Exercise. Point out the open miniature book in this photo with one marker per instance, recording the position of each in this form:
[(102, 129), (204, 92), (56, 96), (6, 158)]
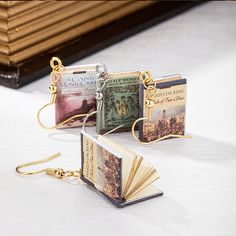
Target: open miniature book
[(121, 175)]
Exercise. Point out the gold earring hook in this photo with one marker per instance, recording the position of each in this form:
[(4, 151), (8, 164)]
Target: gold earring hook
[(93, 113), (145, 78), (35, 163), (58, 173), (55, 63)]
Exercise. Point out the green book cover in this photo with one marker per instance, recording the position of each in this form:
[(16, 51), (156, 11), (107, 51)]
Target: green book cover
[(120, 102)]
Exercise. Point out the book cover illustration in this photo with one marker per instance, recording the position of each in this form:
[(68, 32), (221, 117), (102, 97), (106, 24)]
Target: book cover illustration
[(122, 176), (76, 95), (120, 102), (102, 169), (168, 113)]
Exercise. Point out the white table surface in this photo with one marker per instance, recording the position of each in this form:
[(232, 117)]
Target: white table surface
[(198, 175)]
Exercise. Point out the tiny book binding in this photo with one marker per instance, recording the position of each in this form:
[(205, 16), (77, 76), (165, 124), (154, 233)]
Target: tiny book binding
[(168, 112), (120, 102), (121, 175), (76, 94)]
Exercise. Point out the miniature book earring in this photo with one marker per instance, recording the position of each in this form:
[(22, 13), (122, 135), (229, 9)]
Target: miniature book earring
[(120, 102), (73, 93), (117, 101), (119, 174), (157, 99)]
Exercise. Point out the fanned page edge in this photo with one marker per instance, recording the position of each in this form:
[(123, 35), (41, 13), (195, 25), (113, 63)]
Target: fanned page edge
[(168, 78), (142, 196), (141, 184), (86, 67), (147, 182), (134, 168)]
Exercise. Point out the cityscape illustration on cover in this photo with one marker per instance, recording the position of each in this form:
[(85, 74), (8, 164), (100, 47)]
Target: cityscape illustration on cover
[(76, 95), (168, 113), (102, 169)]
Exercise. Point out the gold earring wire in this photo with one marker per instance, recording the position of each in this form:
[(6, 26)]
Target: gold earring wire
[(35, 163), (156, 140), (58, 173)]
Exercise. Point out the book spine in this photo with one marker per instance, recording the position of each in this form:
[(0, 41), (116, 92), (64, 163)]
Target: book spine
[(82, 163), (99, 119), (141, 110), (82, 153)]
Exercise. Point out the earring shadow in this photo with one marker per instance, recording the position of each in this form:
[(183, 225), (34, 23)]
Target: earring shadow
[(70, 135), (67, 135)]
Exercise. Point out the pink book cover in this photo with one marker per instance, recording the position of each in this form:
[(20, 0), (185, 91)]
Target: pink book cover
[(76, 95)]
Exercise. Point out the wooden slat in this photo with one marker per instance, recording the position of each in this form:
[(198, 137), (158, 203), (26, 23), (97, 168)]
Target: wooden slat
[(36, 12), (79, 31), (13, 10), (3, 13), (4, 59), (20, 8), (58, 29), (7, 4), (3, 40), (11, 23), (3, 26), (37, 66), (51, 19)]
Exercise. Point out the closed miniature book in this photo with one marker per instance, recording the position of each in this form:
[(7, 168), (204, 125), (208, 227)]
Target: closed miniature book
[(168, 112), (120, 102), (121, 175), (76, 95)]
